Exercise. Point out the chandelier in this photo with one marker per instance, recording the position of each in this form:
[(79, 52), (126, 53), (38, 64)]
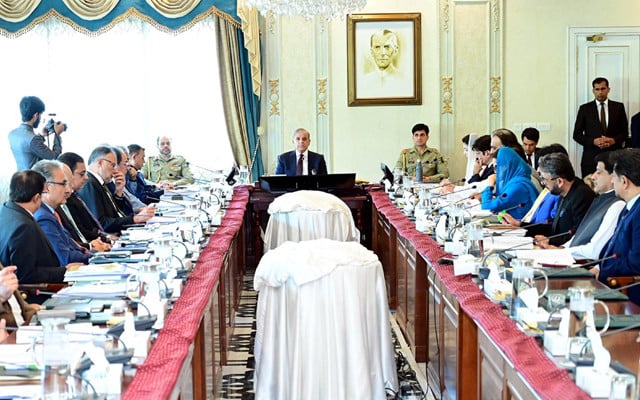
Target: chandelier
[(327, 9)]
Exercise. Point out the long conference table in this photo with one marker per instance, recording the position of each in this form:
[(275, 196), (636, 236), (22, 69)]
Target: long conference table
[(472, 349), (187, 357)]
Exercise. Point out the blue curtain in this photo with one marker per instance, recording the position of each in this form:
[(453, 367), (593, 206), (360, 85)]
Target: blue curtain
[(124, 8), (252, 110)]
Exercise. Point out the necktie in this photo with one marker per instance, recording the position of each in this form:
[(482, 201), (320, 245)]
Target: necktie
[(299, 168), (66, 212), (529, 160), (603, 118), (55, 214), (112, 201)]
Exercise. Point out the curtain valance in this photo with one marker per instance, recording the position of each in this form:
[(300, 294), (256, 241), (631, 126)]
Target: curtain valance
[(96, 16)]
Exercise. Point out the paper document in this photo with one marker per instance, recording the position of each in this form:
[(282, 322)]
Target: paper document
[(548, 256), (507, 242)]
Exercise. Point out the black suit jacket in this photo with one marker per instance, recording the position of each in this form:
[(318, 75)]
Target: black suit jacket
[(68, 225), (588, 128), (100, 205), (89, 228), (635, 131), (287, 164), (24, 244), (536, 158), (482, 176), (571, 209)]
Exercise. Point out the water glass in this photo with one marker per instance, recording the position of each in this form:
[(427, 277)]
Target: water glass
[(524, 292), (475, 245), (623, 387)]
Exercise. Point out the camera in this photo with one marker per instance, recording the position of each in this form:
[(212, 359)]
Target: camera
[(51, 124)]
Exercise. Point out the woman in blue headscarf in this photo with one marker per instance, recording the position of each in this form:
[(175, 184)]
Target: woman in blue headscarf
[(513, 185)]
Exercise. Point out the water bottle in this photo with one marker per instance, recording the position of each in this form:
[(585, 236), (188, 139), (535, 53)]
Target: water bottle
[(418, 171), (244, 175)]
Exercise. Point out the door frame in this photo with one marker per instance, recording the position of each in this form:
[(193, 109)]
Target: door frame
[(575, 34)]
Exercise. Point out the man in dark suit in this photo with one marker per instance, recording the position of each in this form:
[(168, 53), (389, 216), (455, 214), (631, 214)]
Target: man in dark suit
[(601, 125), (558, 176), (76, 180), (89, 229), (625, 242), (58, 188), (301, 161), (483, 166), (100, 201), (635, 131), (530, 138), (22, 241)]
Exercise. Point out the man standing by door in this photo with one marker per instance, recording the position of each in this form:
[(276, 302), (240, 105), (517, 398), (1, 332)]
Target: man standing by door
[(601, 125)]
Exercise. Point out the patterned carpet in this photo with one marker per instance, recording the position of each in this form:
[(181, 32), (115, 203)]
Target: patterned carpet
[(237, 379)]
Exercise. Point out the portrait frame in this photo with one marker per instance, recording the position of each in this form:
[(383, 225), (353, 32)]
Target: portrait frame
[(382, 80)]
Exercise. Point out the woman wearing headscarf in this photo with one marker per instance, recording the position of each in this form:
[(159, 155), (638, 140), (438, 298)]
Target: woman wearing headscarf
[(513, 185)]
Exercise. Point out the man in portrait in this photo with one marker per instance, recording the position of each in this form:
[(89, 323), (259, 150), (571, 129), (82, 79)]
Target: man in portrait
[(386, 78)]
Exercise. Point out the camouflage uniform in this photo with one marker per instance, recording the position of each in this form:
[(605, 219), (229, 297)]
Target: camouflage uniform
[(433, 164), (175, 169)]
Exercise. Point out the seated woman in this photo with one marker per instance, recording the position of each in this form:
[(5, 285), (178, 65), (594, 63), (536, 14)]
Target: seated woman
[(544, 208), (513, 185)]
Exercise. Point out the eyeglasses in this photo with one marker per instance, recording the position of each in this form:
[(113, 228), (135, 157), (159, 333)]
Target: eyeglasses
[(113, 164), (163, 143), (63, 183), (551, 179)]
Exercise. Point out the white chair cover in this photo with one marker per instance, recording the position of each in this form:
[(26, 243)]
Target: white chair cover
[(308, 215), (322, 324)]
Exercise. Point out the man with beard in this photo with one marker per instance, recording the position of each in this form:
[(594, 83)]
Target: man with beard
[(27, 146), (166, 169), (559, 177)]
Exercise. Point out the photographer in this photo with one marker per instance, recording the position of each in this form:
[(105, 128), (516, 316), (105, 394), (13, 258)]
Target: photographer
[(29, 147)]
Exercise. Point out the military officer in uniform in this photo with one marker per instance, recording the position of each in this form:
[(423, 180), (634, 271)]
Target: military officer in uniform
[(434, 166), (166, 169)]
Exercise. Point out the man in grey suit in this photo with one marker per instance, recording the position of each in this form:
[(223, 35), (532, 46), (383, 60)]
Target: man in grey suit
[(28, 147), (601, 125)]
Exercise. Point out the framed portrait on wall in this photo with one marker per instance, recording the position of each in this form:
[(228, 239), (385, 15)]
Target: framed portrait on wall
[(384, 59)]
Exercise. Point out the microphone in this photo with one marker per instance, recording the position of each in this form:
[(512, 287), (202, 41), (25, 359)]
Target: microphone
[(463, 180), (452, 204), (72, 296), (502, 232), (534, 241), (502, 252), (202, 168), (596, 262), (437, 196), (587, 265), (511, 208), (169, 201)]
